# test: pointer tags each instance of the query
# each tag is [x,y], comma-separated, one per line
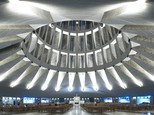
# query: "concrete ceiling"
[19,19]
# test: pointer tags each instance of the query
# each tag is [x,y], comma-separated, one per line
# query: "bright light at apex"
[19,7]
[135,7]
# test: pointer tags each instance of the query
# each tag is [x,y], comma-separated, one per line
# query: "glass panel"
[99,58]
[90,62]
[72,44]
[72,61]
[105,34]
[81,61]
[97,40]
[64,42]
[72,25]
[113,48]
[109,57]
[88,25]
[48,36]
[36,50]
[82,25]
[121,42]
[81,43]
[54,58]
[63,59]
[52,36]
[43,32]
[56,40]
[44,56]
[89,42]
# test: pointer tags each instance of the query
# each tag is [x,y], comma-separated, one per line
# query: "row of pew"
[103,107]
[49,108]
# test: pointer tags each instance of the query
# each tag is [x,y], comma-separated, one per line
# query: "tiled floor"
[76,110]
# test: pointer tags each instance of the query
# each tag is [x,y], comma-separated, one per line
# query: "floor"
[77,110]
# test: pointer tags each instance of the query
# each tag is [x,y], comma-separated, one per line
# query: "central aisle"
[77,110]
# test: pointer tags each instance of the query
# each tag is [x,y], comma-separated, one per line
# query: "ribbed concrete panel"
[130,75]
[105,79]
[140,69]
[117,77]
[143,38]
[71,77]
[50,75]
[144,59]
[9,59]
[9,39]
[144,49]
[6,52]
[61,76]
[35,78]
[12,69]
[93,80]
[82,76]
[22,76]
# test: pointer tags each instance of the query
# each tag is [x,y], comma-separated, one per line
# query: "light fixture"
[135,7]
[93,80]
[36,77]
[95,87]
[105,79]
[129,74]
[70,88]
[61,76]
[71,78]
[12,69]
[117,77]
[50,75]
[82,80]
[57,88]
[83,88]
[22,76]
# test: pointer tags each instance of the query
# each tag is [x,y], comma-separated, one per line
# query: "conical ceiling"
[46,52]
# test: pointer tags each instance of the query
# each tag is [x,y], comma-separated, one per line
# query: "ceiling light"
[50,75]
[13,84]
[61,76]
[71,78]
[57,88]
[70,88]
[129,74]
[12,69]
[83,89]
[35,78]
[135,7]
[105,79]
[95,87]
[117,77]
[93,80]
